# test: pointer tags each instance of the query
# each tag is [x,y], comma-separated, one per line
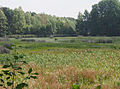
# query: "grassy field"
[67,62]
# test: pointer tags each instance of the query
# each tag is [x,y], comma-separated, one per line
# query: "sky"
[61,8]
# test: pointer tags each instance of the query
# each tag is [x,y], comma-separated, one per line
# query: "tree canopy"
[102,20]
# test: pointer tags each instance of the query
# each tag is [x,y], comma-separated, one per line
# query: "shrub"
[104,41]
[97,40]
[28,40]
[13,74]
[4,50]
[7,45]
[72,41]
[56,39]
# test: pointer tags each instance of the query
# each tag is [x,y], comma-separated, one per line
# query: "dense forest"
[102,20]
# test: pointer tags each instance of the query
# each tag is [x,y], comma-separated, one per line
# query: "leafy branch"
[13,72]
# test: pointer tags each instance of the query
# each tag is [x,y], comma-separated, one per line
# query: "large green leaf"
[6,66]
[21,73]
[8,78]
[1,75]
[21,85]
[36,73]
[16,57]
[6,72]
[18,68]
[9,83]
[2,80]
[30,70]
[1,84]
[34,77]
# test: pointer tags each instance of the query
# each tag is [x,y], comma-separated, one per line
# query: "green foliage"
[75,86]
[30,70]
[98,87]
[118,84]
[105,18]
[3,23]
[21,86]
[13,70]
[20,22]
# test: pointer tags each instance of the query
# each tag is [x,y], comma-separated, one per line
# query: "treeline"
[19,22]
[103,20]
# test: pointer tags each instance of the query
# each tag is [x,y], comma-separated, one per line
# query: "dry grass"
[60,79]
[65,77]
[89,74]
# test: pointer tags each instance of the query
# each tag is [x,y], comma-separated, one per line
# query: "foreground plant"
[13,74]
[75,86]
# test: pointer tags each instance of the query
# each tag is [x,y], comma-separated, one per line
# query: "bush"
[7,45]
[72,41]
[56,39]
[28,40]
[104,41]
[97,40]
[4,50]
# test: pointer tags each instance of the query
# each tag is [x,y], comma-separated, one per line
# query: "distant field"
[65,62]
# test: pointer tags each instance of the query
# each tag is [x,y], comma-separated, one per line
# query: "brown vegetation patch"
[103,86]
[89,74]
